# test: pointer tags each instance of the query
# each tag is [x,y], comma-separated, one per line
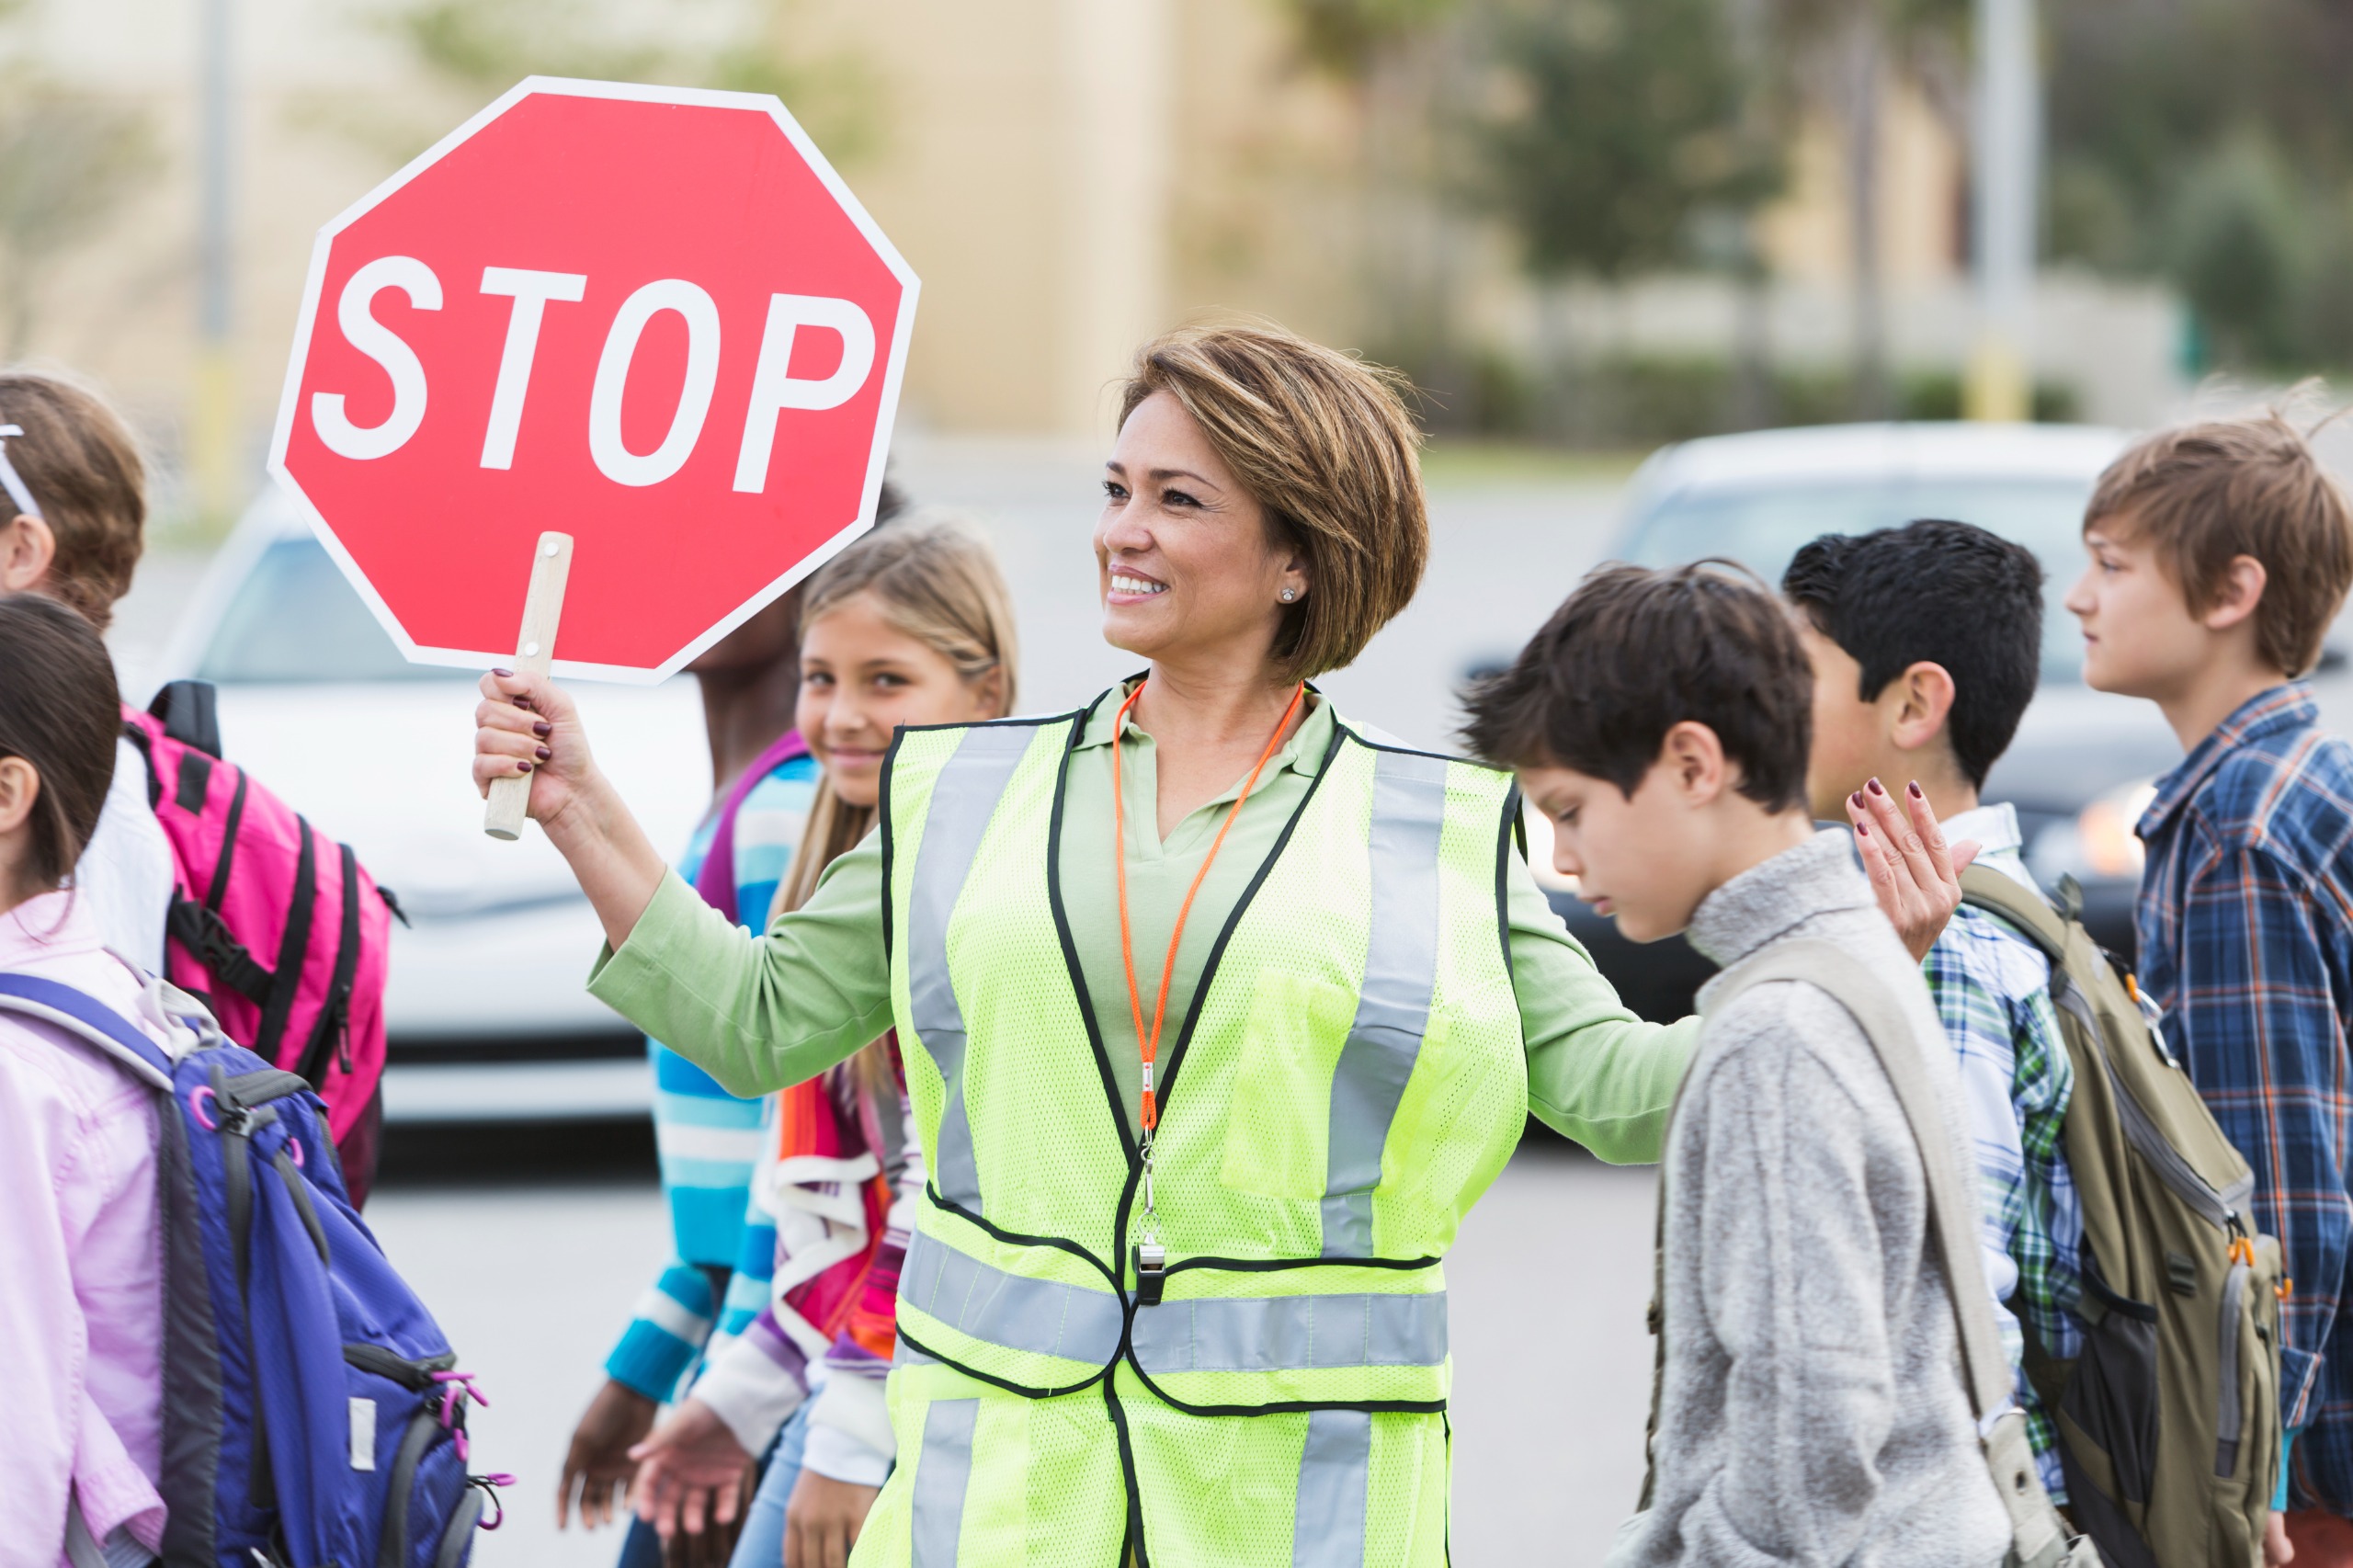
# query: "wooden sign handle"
[534,651]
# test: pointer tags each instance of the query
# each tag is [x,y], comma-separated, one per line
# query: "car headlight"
[2096,842]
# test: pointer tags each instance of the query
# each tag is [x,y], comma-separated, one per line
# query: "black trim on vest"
[1277,1265]
[1137,1551]
[883,802]
[1291,1406]
[1024,1390]
[1416,751]
[1070,959]
[1167,1085]
[1021,1239]
[1509,828]
[882,811]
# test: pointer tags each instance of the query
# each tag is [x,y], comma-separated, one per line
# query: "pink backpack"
[278,926]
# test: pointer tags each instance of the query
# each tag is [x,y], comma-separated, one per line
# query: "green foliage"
[68,160]
[2210,142]
[1343,36]
[1628,400]
[484,47]
[1622,122]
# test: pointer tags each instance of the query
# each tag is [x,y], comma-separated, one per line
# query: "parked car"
[486,1007]
[2081,767]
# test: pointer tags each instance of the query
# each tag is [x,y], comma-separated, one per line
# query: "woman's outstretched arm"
[756,1013]
[528,724]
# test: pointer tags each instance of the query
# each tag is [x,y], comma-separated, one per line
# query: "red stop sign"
[650,318]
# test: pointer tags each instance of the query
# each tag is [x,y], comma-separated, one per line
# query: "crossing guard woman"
[1219,1013]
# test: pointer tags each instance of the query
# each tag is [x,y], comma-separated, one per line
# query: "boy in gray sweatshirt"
[1810,1402]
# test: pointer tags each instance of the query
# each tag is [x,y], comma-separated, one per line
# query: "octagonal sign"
[652,319]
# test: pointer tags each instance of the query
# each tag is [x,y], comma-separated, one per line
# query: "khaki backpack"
[2169,1420]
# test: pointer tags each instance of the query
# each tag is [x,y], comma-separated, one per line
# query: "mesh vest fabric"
[1349,1079]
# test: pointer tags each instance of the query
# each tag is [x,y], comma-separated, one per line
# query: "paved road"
[533,1279]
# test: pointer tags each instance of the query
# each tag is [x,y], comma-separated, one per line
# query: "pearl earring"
[1290,593]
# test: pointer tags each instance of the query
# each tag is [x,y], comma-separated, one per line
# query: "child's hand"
[1915,877]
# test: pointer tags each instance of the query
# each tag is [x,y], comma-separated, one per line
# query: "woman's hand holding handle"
[526,725]
[1914,873]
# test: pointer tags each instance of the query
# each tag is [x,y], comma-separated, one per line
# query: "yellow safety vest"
[1348,1080]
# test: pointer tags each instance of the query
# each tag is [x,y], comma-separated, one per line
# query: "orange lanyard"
[1150,1043]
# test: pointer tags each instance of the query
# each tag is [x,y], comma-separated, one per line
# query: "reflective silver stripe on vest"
[943,1475]
[1008,1310]
[1275,1334]
[1393,1006]
[964,797]
[1334,1474]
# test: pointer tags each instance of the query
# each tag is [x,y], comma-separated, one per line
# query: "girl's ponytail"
[59,711]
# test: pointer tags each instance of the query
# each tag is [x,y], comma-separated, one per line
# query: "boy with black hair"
[2220,552]
[1925,641]
[1809,1407]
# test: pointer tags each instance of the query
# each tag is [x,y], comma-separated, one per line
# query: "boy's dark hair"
[1942,592]
[1635,652]
[2204,494]
[59,711]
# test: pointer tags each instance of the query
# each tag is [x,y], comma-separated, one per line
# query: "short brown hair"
[83,471]
[2204,494]
[1635,652]
[1323,441]
[59,712]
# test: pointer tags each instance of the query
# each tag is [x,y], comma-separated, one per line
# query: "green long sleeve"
[758,1014]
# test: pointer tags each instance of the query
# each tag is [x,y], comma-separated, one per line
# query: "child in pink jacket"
[81,1266]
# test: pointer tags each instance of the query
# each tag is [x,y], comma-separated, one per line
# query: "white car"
[486,1008]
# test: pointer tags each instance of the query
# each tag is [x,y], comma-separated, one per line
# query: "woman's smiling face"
[1183,552]
[861,678]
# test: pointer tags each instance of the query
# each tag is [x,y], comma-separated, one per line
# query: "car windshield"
[295,619]
[1763,528]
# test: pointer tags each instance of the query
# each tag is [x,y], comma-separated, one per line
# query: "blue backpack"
[313,1417]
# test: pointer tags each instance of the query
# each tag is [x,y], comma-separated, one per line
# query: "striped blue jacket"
[710,1141]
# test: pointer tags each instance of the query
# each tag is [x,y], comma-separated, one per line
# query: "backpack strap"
[2038,1537]
[192,714]
[1982,887]
[85,1017]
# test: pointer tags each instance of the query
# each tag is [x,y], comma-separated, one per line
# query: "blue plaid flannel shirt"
[1992,987]
[2245,924]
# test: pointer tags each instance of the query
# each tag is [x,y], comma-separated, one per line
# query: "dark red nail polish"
[1856,799]
[543,754]
[1916,790]
[542,729]
[522,702]
[1874,789]
[522,767]
[509,674]
[1863,830]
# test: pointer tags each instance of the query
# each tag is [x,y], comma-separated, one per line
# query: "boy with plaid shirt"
[1925,641]
[2220,552]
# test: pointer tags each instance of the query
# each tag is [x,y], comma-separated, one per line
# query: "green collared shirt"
[761,1013]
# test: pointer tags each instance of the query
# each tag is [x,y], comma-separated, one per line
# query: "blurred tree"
[68,160]
[2234,248]
[481,48]
[2210,142]
[1348,37]
[1839,55]
[1623,122]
